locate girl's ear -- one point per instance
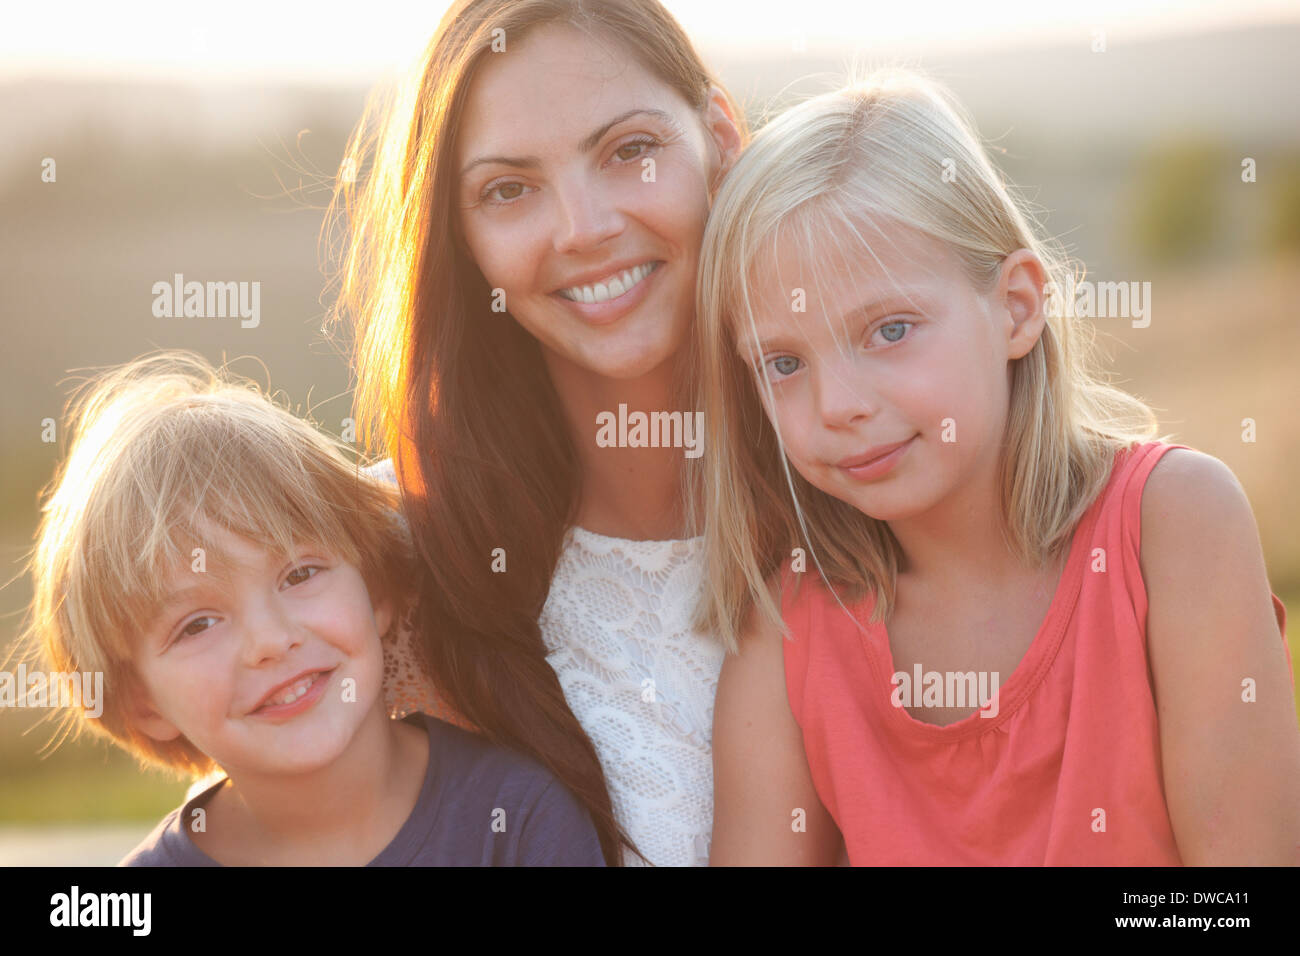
(1020, 292)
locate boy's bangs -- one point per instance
(221, 479)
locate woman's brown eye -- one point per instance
(502, 190)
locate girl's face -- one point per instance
(584, 187)
(252, 665)
(891, 390)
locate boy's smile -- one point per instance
(290, 698)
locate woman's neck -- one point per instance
(627, 491)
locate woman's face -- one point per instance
(583, 190)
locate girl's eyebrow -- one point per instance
(590, 142)
(866, 311)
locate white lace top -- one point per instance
(641, 681)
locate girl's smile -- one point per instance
(876, 462)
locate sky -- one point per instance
(347, 41)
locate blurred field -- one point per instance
(219, 185)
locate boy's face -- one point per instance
(269, 666)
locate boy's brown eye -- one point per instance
(300, 574)
(189, 630)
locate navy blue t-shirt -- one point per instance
(471, 791)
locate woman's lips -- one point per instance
(875, 462)
(611, 310)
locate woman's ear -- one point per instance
(1021, 281)
(720, 122)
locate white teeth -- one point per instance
(292, 693)
(611, 288)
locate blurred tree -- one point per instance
(1177, 206)
(1283, 185)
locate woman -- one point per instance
(521, 264)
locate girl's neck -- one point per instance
(355, 805)
(962, 537)
(626, 492)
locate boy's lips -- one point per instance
(279, 699)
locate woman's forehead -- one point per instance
(550, 91)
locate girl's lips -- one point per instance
(878, 466)
(611, 310)
(280, 712)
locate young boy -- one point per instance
(234, 579)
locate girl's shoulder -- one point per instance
(1187, 495)
(1201, 556)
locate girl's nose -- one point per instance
(585, 216)
(843, 396)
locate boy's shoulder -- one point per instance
(487, 805)
(168, 844)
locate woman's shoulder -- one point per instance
(382, 470)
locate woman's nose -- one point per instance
(586, 217)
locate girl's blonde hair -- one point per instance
(163, 449)
(858, 161)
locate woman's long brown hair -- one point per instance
(459, 395)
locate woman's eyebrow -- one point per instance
(590, 142)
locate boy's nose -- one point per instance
(269, 634)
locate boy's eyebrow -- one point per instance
(867, 311)
(585, 146)
(179, 596)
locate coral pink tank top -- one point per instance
(1068, 771)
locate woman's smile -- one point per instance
(621, 291)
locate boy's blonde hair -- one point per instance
(857, 162)
(163, 448)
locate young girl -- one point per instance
(1019, 631)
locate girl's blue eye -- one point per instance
(894, 331)
(784, 365)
